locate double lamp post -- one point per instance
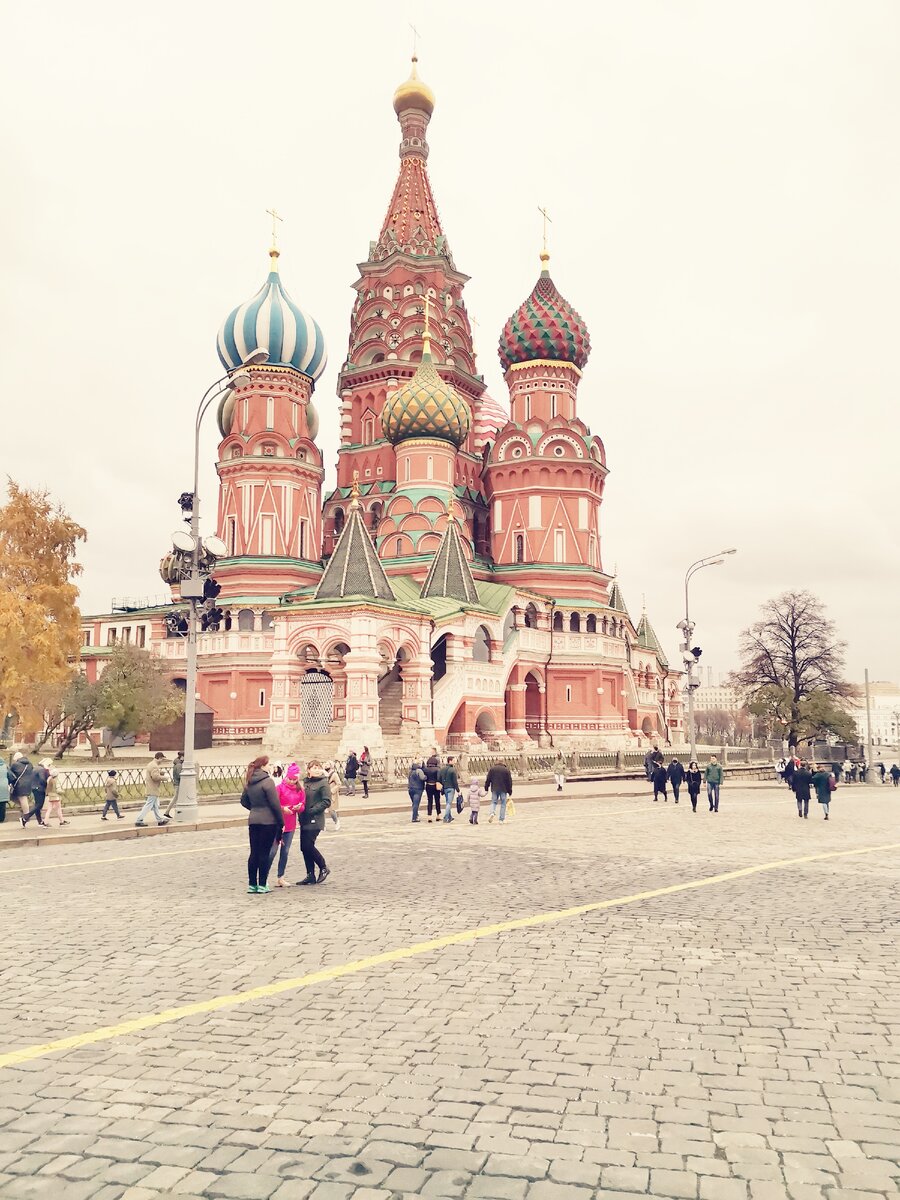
(691, 653)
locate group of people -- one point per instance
(440, 781)
(802, 777)
(31, 787)
(275, 812)
(847, 771)
(356, 768)
(675, 774)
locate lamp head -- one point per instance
(256, 358)
(238, 379)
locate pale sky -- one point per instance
(724, 184)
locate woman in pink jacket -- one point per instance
(293, 801)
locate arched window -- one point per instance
(398, 548)
(245, 620)
(429, 468)
(591, 625)
(406, 469)
(368, 431)
(375, 514)
(604, 625)
(266, 622)
(338, 522)
(575, 623)
(558, 622)
(520, 548)
(530, 616)
(481, 646)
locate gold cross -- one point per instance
(354, 487)
(275, 217)
(546, 217)
(415, 42)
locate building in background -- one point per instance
(451, 587)
(885, 706)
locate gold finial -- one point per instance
(274, 251)
(426, 333)
(452, 507)
(354, 489)
(545, 254)
(415, 34)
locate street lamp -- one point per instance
(186, 809)
(687, 628)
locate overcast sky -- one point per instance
(724, 185)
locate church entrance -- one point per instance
(316, 702)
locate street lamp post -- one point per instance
(186, 809)
(687, 628)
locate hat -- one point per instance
(16, 756)
(159, 754)
(293, 771)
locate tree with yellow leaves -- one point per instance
(39, 618)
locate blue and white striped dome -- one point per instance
(272, 321)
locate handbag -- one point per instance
(459, 802)
(510, 807)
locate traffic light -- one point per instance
(211, 588)
(696, 651)
(211, 619)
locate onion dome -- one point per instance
(413, 93)
(544, 327)
(490, 418)
(426, 407)
(271, 321)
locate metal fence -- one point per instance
(89, 786)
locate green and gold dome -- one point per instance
(426, 406)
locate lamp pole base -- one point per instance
(187, 809)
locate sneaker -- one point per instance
(139, 825)
(262, 888)
(304, 882)
(119, 817)
(64, 823)
(251, 890)
(490, 818)
(279, 882)
(24, 820)
(103, 818)
(337, 823)
(429, 821)
(323, 875)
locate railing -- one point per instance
(88, 787)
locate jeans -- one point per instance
(473, 817)
(287, 837)
(351, 785)
(311, 856)
(262, 838)
(803, 807)
(448, 800)
(151, 805)
(39, 798)
(694, 796)
(499, 798)
(434, 796)
(712, 791)
(111, 804)
(172, 803)
(676, 788)
(365, 784)
(415, 800)
(559, 779)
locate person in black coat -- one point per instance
(790, 768)
(499, 783)
(312, 822)
(432, 770)
(694, 778)
(658, 779)
(676, 777)
(20, 774)
(802, 785)
(264, 823)
(351, 770)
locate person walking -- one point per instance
(153, 780)
(177, 764)
(694, 779)
(658, 778)
(292, 799)
(499, 784)
(40, 778)
(111, 795)
(559, 770)
(789, 768)
(802, 784)
(4, 788)
(653, 756)
(449, 781)
(824, 783)
(473, 799)
(676, 776)
(351, 770)
(20, 775)
(779, 769)
(415, 785)
(365, 767)
(895, 775)
(312, 822)
(54, 799)
(432, 770)
(334, 787)
(714, 775)
(882, 770)
(847, 770)
(264, 824)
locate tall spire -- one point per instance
(449, 573)
(354, 568)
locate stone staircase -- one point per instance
(390, 703)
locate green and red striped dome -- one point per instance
(545, 326)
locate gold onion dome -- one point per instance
(426, 406)
(413, 93)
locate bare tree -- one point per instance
(792, 653)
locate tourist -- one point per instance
(499, 784)
(4, 789)
(351, 770)
(653, 756)
(863, 771)
(779, 769)
(19, 775)
(713, 783)
(449, 783)
(153, 778)
(415, 785)
(264, 824)
(278, 773)
(658, 777)
(476, 791)
(802, 784)
(54, 799)
(433, 784)
(334, 786)
(292, 799)
(694, 778)
(365, 766)
(895, 775)
(559, 770)
(882, 770)
(824, 783)
(177, 764)
(676, 776)
(312, 822)
(847, 770)
(789, 768)
(111, 795)
(40, 778)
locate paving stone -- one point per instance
(526, 1167)
(498, 1187)
(244, 1186)
(625, 1179)
(674, 1183)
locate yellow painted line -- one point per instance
(266, 991)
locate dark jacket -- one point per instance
(40, 777)
(694, 780)
(676, 773)
(659, 777)
(449, 778)
(432, 769)
(415, 780)
(351, 770)
(260, 796)
(499, 779)
(801, 783)
(821, 781)
(20, 774)
(318, 799)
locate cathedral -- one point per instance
(450, 589)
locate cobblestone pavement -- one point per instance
(737, 1041)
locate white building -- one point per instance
(885, 704)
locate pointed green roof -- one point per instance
(354, 568)
(449, 573)
(616, 599)
(647, 639)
